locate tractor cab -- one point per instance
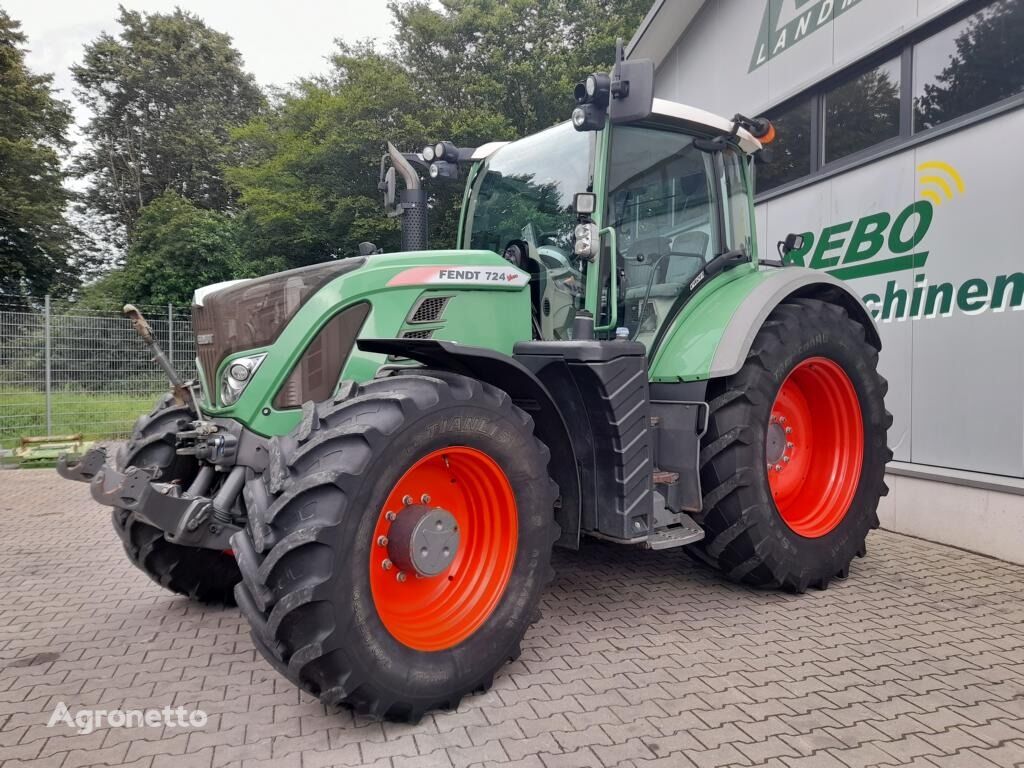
(661, 201)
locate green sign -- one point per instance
(804, 18)
(880, 243)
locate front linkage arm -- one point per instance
(194, 516)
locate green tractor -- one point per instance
(381, 451)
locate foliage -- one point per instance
(471, 72)
(34, 234)
(515, 58)
(176, 247)
(163, 95)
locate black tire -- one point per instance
(746, 537)
(203, 575)
(306, 553)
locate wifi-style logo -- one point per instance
(939, 181)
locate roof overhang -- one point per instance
(661, 29)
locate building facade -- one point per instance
(898, 159)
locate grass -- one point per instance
(94, 415)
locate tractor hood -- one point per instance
(244, 314)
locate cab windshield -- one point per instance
(521, 206)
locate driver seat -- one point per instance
(677, 262)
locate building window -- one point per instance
(791, 151)
(974, 62)
(969, 65)
(863, 111)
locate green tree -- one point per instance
(163, 95)
(176, 248)
(35, 237)
(472, 71)
(516, 58)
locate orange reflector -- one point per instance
(769, 135)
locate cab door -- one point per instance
(663, 203)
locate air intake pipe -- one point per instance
(412, 202)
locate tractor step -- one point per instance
(684, 531)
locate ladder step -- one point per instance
(685, 531)
(662, 477)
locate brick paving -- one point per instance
(642, 659)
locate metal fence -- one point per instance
(68, 370)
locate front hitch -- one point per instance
(82, 469)
(186, 517)
(192, 521)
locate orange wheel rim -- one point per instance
(435, 612)
(815, 447)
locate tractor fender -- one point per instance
(528, 393)
(712, 339)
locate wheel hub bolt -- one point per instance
(382, 541)
(785, 459)
(390, 516)
(789, 446)
(407, 500)
(386, 564)
(424, 499)
(401, 576)
(778, 467)
(789, 430)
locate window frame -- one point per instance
(902, 49)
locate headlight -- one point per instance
(237, 376)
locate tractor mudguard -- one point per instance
(528, 392)
(712, 335)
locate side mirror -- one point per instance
(627, 94)
(635, 100)
(389, 186)
(792, 242)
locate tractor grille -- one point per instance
(429, 309)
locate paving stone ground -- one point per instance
(642, 659)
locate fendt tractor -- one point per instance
(380, 451)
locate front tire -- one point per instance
(337, 599)
(793, 461)
(203, 575)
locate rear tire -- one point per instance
(325, 609)
(203, 575)
(762, 530)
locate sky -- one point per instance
(280, 41)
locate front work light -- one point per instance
(597, 87)
(588, 117)
(428, 153)
(585, 238)
(237, 377)
(444, 171)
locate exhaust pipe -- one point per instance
(412, 202)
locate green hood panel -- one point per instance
(488, 305)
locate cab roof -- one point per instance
(673, 110)
(703, 118)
